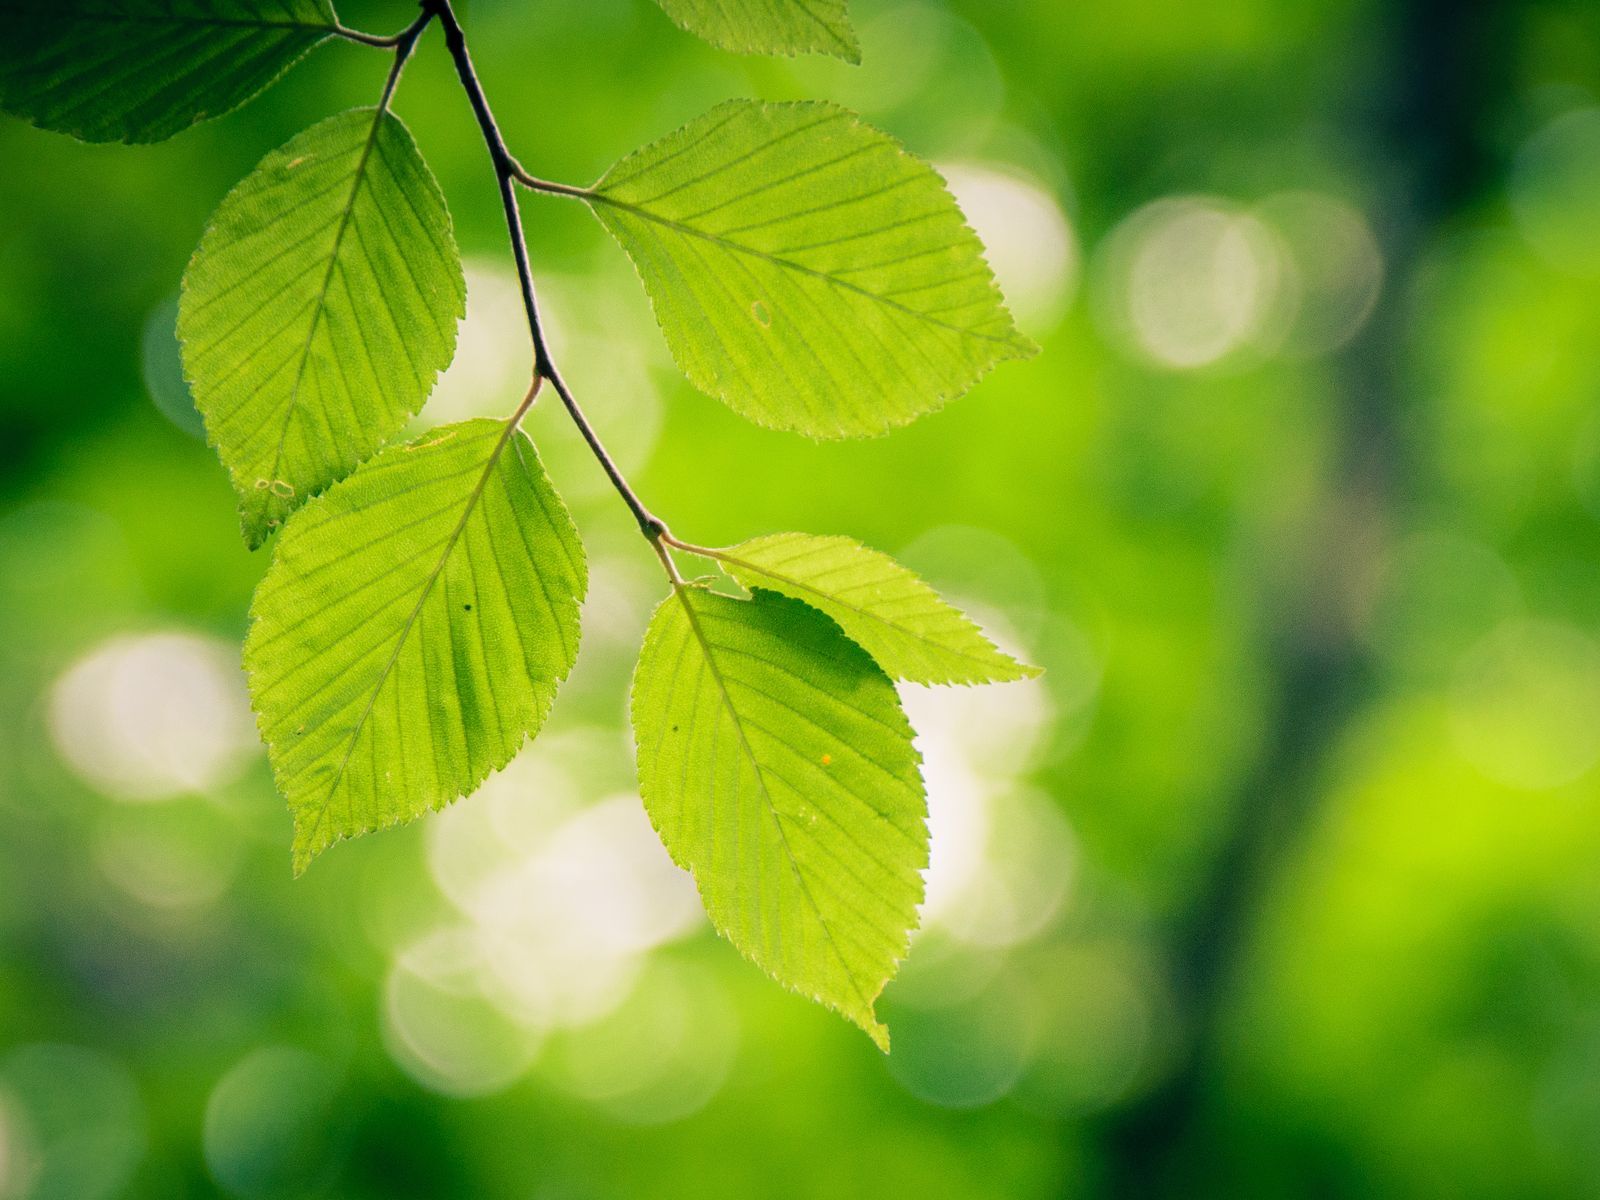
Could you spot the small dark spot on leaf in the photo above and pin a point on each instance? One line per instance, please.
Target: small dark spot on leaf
(467, 607)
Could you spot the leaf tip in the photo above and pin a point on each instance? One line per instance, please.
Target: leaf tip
(310, 840)
(878, 1032)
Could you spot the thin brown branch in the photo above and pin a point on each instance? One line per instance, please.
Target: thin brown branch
(508, 172)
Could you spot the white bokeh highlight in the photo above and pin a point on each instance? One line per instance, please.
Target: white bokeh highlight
(555, 909)
(153, 716)
(1187, 281)
(1027, 239)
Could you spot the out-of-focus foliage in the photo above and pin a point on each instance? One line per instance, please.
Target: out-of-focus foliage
(1204, 216)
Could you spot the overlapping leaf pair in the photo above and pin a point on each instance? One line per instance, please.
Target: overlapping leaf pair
(423, 601)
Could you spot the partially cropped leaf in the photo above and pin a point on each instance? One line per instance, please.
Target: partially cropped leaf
(411, 631)
(770, 26)
(777, 766)
(143, 70)
(887, 610)
(806, 269)
(318, 310)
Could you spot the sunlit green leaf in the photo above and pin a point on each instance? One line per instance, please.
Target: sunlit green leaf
(770, 26)
(887, 610)
(412, 629)
(777, 766)
(319, 308)
(806, 269)
(143, 70)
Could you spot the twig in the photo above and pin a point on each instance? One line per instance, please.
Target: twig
(406, 37)
(508, 172)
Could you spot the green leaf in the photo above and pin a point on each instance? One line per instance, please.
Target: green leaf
(143, 70)
(807, 270)
(318, 310)
(412, 629)
(893, 615)
(770, 26)
(777, 766)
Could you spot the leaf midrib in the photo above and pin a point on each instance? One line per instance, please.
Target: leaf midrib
(680, 591)
(321, 302)
(109, 18)
(833, 599)
(411, 620)
(593, 196)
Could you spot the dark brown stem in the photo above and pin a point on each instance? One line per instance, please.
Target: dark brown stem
(507, 173)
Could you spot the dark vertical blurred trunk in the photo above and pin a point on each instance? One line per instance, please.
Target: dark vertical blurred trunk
(1420, 116)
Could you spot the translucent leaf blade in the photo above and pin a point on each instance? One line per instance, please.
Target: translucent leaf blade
(887, 610)
(319, 309)
(770, 26)
(776, 764)
(412, 630)
(143, 70)
(806, 270)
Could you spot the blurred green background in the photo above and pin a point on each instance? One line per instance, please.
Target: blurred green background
(1282, 882)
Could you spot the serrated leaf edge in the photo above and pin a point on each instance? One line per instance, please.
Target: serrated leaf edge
(301, 857)
(1020, 347)
(877, 1031)
(727, 556)
(255, 539)
(849, 46)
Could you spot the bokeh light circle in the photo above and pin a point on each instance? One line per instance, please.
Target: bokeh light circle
(71, 1121)
(446, 1022)
(967, 1054)
(1524, 703)
(1026, 238)
(1187, 281)
(1555, 191)
(659, 1057)
(1332, 271)
(272, 1123)
(153, 716)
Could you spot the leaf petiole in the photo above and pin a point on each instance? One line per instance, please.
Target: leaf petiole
(393, 41)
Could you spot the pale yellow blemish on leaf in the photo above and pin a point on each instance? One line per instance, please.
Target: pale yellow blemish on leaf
(428, 445)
